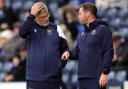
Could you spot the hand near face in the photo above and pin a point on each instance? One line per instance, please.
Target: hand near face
(36, 8)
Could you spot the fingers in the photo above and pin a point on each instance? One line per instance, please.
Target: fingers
(102, 83)
(36, 8)
(65, 56)
(39, 5)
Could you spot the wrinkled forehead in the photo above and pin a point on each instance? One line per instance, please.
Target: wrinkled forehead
(42, 14)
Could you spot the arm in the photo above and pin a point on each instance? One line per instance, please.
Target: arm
(108, 52)
(63, 41)
(27, 26)
(63, 47)
(74, 54)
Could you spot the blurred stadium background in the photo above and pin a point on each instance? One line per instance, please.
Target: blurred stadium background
(64, 12)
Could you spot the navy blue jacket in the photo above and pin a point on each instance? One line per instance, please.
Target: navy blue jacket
(94, 50)
(45, 46)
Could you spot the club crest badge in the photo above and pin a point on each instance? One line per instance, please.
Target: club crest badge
(83, 35)
(49, 31)
(93, 32)
(35, 30)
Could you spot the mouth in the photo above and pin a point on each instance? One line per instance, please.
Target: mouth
(46, 21)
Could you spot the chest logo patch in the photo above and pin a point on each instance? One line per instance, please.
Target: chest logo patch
(93, 32)
(49, 31)
(83, 34)
(35, 30)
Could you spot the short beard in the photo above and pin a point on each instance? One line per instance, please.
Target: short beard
(83, 21)
(44, 25)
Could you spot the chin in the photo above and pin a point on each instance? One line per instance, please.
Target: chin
(45, 24)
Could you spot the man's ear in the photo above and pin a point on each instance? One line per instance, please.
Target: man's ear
(87, 14)
(49, 15)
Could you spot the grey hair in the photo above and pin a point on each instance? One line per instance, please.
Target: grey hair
(43, 6)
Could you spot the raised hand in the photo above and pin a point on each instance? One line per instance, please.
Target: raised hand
(36, 8)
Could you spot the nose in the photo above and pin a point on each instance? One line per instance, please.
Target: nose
(46, 18)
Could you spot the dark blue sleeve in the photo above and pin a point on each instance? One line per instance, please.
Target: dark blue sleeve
(107, 48)
(63, 48)
(63, 45)
(27, 26)
(74, 54)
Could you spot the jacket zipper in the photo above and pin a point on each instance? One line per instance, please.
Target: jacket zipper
(45, 65)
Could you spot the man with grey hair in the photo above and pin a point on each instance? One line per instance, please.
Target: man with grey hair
(46, 44)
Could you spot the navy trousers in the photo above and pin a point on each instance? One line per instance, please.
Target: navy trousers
(42, 85)
(89, 83)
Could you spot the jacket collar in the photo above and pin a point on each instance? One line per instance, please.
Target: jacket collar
(94, 24)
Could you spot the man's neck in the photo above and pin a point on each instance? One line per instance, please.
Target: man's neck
(90, 20)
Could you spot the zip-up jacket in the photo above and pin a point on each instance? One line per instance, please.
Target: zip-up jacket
(45, 46)
(94, 49)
